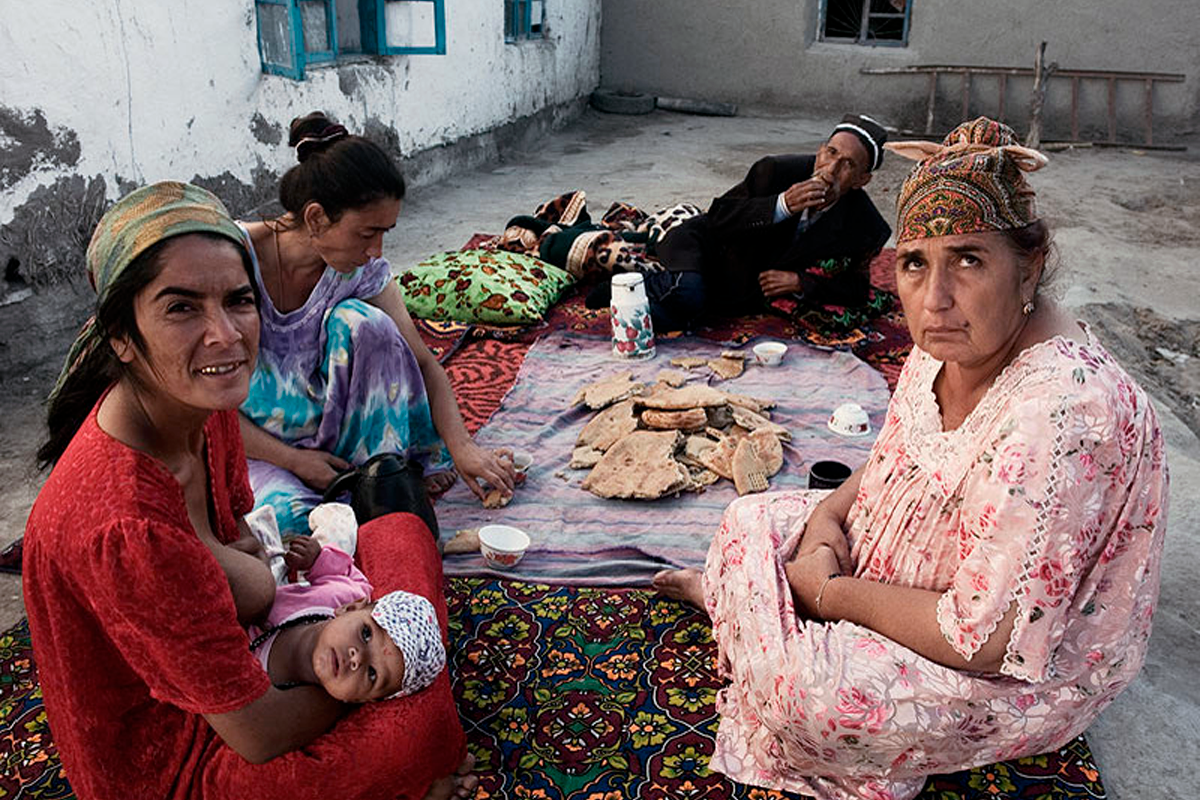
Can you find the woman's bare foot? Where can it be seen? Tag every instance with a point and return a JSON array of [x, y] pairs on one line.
[[439, 482], [681, 584], [459, 785]]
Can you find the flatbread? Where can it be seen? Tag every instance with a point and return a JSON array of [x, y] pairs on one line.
[[727, 368], [585, 457], [672, 377], [688, 362], [609, 426], [496, 498], [688, 420], [748, 472], [749, 419], [608, 391], [720, 458], [464, 541], [641, 466], [692, 396], [768, 448], [755, 404]]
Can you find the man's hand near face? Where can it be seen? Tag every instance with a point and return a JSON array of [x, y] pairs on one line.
[[812, 193]]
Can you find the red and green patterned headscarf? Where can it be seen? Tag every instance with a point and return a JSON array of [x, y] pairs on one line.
[[974, 181], [137, 221]]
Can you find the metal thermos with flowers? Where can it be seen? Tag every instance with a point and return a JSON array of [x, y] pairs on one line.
[[632, 331]]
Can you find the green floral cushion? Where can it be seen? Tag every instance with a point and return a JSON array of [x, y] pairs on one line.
[[492, 286]]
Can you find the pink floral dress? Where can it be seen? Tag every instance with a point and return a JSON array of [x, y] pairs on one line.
[[1051, 495]]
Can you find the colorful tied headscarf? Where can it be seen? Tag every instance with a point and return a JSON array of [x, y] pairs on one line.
[[140, 219], [412, 624], [974, 181]]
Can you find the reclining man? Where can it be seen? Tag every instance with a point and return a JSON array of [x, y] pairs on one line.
[[798, 225]]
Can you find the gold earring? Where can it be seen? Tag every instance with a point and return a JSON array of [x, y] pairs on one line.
[[1028, 308]]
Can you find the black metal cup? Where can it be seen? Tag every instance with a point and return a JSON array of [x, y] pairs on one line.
[[828, 474]]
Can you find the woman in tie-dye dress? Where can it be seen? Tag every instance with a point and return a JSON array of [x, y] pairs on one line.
[[983, 586], [342, 373]]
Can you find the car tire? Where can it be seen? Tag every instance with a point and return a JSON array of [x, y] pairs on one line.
[[610, 101]]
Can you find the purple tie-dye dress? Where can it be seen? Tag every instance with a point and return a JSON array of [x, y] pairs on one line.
[[336, 375]]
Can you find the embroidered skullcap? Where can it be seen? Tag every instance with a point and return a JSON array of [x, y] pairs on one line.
[[974, 181], [137, 221], [412, 624], [869, 132]]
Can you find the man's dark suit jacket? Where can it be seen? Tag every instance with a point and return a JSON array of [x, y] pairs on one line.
[[738, 239]]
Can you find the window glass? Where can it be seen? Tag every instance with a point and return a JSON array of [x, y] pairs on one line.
[[275, 35], [313, 15]]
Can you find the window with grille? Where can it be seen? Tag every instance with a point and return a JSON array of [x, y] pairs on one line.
[[296, 34], [524, 19], [869, 22]]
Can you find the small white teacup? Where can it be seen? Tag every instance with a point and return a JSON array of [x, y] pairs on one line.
[[849, 419], [502, 546], [769, 354]]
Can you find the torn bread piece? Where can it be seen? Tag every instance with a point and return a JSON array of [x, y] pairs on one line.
[[687, 420], [585, 457], [727, 368], [701, 477], [688, 362], [749, 475], [768, 448], [720, 458], [741, 355], [464, 541], [749, 419], [641, 466], [672, 377], [605, 392], [496, 498], [755, 404], [608, 427]]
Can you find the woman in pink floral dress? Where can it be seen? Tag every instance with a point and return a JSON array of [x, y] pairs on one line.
[[984, 585]]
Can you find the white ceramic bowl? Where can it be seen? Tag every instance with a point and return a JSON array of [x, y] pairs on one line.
[[769, 354], [502, 546], [849, 419]]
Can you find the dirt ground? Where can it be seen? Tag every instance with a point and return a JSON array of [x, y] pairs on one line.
[[1127, 226]]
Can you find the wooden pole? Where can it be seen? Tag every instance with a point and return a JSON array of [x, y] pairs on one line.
[[1034, 139]]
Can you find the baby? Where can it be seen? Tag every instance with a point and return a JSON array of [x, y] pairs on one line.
[[330, 632]]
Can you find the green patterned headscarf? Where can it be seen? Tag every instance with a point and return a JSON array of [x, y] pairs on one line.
[[137, 221], [974, 181]]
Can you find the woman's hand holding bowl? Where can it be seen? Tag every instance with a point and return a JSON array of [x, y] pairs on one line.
[[474, 464]]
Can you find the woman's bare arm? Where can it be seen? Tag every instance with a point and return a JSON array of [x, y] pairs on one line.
[[472, 461], [826, 525], [901, 613], [278, 722], [316, 468]]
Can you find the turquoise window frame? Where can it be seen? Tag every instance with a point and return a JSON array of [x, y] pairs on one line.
[[330, 52], [373, 28], [295, 32], [518, 25], [374, 33]]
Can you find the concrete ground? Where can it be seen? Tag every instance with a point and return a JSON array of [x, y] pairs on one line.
[[1128, 227]]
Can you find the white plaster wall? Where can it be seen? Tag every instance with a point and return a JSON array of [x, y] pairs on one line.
[[157, 90]]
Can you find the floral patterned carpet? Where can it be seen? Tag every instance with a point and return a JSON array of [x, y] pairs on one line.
[[565, 694], [603, 694], [573, 693]]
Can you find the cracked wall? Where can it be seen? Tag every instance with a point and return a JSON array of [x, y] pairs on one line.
[[100, 98]]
